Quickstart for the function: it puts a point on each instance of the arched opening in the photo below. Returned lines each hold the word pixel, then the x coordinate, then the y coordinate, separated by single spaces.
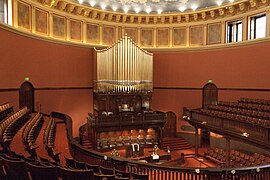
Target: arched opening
pixel 27 96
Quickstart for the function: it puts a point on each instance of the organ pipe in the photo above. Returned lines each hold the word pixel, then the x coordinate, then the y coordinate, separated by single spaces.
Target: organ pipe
pixel 123 68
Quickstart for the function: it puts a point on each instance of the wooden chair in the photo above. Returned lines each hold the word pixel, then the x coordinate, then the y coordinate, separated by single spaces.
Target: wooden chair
pixel 80 165
pixel 95 168
pixel 70 163
pixel 139 176
pixel 72 174
pixel 106 171
pixel 122 174
pixel 42 172
pixel 103 177
pixel 15 169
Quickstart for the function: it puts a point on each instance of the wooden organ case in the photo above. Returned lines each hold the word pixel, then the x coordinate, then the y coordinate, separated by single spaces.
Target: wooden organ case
pixel 123 87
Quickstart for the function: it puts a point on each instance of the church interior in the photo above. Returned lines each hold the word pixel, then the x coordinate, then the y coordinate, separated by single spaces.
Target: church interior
pixel 134 89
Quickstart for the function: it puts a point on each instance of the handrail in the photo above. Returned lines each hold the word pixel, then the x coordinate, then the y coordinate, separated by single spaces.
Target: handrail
pixel 154 171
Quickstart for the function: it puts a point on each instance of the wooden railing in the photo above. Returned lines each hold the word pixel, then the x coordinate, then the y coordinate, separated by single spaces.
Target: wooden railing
pixel 159 172
pixel 256 134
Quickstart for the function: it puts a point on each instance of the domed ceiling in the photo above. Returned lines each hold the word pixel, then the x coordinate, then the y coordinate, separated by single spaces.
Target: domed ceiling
pixel 153 6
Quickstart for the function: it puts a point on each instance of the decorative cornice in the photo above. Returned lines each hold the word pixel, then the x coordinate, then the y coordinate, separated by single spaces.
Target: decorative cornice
pixel 224 11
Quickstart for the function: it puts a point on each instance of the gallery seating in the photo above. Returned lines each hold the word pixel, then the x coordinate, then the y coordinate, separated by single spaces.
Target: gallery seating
pixel 31 132
pixel 41 172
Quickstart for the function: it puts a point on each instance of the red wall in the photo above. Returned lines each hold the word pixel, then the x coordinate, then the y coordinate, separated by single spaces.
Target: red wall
pixel 51 65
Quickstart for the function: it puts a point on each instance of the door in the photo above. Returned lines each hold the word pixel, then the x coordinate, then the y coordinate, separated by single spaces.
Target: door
pixel 27 96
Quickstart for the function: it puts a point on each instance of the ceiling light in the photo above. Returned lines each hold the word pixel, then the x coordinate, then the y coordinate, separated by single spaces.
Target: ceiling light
pixel 103 6
pixel 182 8
pixel 92 3
pixel 159 11
pixel 219 3
pixel 80 1
pixel 194 7
pixel 231 1
pixel 126 9
pixel 114 8
pixel 137 9
pixel 148 10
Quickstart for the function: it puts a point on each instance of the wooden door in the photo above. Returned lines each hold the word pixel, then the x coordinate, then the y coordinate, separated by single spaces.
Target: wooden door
pixel 210 94
pixel 170 125
pixel 27 96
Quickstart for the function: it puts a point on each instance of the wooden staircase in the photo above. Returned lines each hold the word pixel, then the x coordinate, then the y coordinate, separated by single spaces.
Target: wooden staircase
pixel 175 143
pixel 86 143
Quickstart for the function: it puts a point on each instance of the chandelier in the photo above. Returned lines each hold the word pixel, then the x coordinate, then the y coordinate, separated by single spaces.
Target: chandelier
pixel 138 1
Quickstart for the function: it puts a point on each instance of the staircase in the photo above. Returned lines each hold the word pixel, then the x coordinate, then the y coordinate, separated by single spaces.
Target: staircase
pixel 175 143
pixel 86 143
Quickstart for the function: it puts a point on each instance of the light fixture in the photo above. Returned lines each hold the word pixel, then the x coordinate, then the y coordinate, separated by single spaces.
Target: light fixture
pixel 231 1
pixel 137 9
pixel 245 134
pixel 125 9
pixel 80 1
pixel 194 7
pixel 103 6
pixel 203 122
pixel 92 3
pixel 114 8
pixel 182 8
pixel 159 11
pixel 219 3
pixel 148 10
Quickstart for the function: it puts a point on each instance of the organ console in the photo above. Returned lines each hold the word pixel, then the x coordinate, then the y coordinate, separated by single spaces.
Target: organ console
pixel 123 86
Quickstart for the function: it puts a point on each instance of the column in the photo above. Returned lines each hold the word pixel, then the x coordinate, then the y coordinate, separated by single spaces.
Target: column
pixel 171 37
pixel 187 36
pixel 33 21
pixel 196 141
pixel 223 32
pixel 155 37
pixel 228 150
pixel 205 34
pixel 245 28
pixel 84 32
pixel 267 23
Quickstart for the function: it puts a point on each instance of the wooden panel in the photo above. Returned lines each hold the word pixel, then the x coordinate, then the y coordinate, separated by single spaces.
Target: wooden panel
pixel 41 21
pixel 147 37
pixel 108 35
pixel 214 33
pixel 196 35
pixel 163 37
pixel 92 33
pixel 59 26
pixel 24 15
pixel 179 36
pixel 132 33
pixel 75 30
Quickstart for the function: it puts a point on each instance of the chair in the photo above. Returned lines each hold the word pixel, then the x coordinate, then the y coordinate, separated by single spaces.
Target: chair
pixel 42 172
pixel 122 174
pixel 139 176
pixel 70 163
pixel 71 174
pixel 103 177
pixel 95 168
pixel 106 171
pixel 80 165
pixel 15 169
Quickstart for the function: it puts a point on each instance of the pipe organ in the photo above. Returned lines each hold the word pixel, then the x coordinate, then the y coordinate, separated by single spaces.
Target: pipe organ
pixel 124 68
pixel 122 94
